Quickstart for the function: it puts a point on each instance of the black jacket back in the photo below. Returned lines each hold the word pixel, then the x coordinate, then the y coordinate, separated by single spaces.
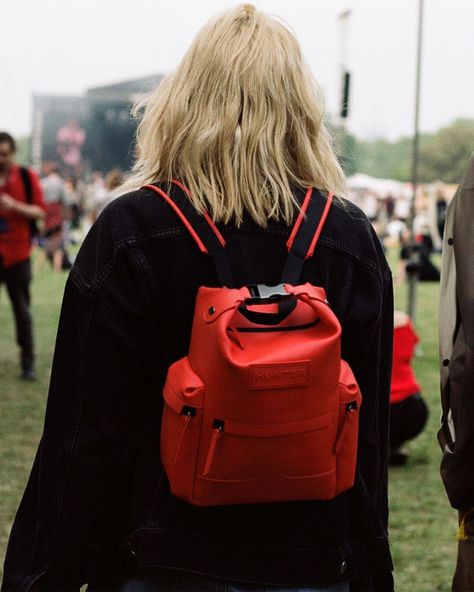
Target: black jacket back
pixel 98 496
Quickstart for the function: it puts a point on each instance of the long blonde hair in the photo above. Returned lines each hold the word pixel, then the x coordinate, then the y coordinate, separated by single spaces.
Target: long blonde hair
pixel 240 121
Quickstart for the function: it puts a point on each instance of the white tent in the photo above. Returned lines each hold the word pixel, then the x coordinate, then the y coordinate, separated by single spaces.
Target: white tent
pixel 381 187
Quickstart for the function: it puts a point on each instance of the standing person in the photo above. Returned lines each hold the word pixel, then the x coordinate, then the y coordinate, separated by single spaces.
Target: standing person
pixel 113 179
pixel 74 194
pixel 96 195
pixel 456 435
pixel 21 202
pixel 240 123
pixel 54 197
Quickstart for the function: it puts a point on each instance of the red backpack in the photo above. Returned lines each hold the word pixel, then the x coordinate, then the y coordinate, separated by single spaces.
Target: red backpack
pixel 262 409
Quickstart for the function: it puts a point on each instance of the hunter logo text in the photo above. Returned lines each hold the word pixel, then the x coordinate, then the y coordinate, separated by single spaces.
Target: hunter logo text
pixel 279 375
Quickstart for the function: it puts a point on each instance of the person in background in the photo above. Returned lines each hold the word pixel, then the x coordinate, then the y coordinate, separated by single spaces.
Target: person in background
pixel 74 195
pixel 422 248
pixel 21 203
pixel 96 195
pixel 408 410
pixel 113 179
pixel 456 435
pixel 54 197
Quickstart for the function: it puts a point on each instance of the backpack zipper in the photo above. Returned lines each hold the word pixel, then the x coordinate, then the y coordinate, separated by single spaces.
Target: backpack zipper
pixel 351 407
pixel 188 413
pixel 216 434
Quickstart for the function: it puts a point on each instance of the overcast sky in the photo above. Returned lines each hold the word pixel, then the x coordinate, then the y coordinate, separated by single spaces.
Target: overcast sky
pixel 67 46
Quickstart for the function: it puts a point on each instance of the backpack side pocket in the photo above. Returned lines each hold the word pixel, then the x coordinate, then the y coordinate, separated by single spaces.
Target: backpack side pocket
pixel 345 447
pixel 181 425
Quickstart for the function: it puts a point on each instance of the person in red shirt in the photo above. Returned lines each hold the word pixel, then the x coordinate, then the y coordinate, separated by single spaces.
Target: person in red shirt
pixel 408 410
pixel 21 202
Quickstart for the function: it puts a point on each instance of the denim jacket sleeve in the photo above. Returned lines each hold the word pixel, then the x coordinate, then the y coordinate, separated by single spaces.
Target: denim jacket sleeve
pixel 98 371
pixel 371 359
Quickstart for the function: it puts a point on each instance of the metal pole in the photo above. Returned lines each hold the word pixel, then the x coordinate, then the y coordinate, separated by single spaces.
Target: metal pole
pixel 343 110
pixel 413 263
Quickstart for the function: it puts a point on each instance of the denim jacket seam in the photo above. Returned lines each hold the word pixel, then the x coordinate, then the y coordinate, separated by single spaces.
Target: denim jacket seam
pixel 146 272
pixel 327 242
pixel 91 289
pixel 166 232
pixel 133 241
pixel 76 278
pixel 344 548
pixel 27 581
pixel 386 277
pixel 364 262
pixel 277 232
pixel 323 241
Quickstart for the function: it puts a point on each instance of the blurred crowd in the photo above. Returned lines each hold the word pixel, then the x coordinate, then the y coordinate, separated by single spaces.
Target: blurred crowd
pixel 390 213
pixel 417 233
pixel 74 203
pixel 72 206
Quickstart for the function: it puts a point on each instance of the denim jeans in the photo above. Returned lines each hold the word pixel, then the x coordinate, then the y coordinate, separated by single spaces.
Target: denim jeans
pixel 163 580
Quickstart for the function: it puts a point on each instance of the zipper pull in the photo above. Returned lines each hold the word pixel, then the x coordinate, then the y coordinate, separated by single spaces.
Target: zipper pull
pixel 216 434
pixel 187 417
pixel 350 409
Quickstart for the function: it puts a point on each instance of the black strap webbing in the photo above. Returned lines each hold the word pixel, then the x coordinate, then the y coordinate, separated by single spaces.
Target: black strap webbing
pixel 302 240
pixel 203 231
pixel 310 224
pixel 26 179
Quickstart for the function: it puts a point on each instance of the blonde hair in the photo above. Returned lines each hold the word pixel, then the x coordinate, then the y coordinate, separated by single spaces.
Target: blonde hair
pixel 240 122
pixel 114 179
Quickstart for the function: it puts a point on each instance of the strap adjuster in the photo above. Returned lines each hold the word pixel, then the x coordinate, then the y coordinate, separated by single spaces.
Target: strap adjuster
pixel 261 293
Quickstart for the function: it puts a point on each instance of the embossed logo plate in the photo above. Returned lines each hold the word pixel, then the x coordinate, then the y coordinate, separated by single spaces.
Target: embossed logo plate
pixel 279 375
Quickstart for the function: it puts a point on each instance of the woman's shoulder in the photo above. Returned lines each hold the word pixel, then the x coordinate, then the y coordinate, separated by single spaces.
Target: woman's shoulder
pixel 348 213
pixel 348 230
pixel 127 221
pixel 137 215
pixel 142 214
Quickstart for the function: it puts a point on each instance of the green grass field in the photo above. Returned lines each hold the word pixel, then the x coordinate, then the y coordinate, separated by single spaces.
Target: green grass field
pixel 422 524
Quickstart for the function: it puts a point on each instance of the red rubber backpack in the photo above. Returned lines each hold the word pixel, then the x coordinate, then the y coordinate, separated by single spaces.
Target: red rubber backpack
pixel 262 409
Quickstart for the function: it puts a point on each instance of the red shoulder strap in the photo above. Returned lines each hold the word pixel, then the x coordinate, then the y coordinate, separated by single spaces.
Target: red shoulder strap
pixel 305 233
pixel 302 216
pixel 200 226
pixel 208 219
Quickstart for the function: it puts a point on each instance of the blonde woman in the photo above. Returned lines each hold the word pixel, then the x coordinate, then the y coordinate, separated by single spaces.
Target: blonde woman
pixel 240 123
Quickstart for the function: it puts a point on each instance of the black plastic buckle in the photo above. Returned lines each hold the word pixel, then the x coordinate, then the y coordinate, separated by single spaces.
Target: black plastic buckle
pixel 261 293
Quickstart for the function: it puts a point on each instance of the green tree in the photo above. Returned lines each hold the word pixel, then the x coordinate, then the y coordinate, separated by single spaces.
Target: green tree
pixel 346 147
pixel 384 159
pixel 444 157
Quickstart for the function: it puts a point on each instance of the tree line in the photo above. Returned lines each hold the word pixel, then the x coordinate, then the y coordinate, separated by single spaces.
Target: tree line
pixel 443 155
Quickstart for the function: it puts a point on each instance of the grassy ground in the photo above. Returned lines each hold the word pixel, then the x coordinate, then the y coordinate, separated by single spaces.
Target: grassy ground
pixel 22 404
pixel 422 524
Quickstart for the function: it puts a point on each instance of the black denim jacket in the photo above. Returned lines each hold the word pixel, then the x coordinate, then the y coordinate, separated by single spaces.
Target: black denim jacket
pixel 97 495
